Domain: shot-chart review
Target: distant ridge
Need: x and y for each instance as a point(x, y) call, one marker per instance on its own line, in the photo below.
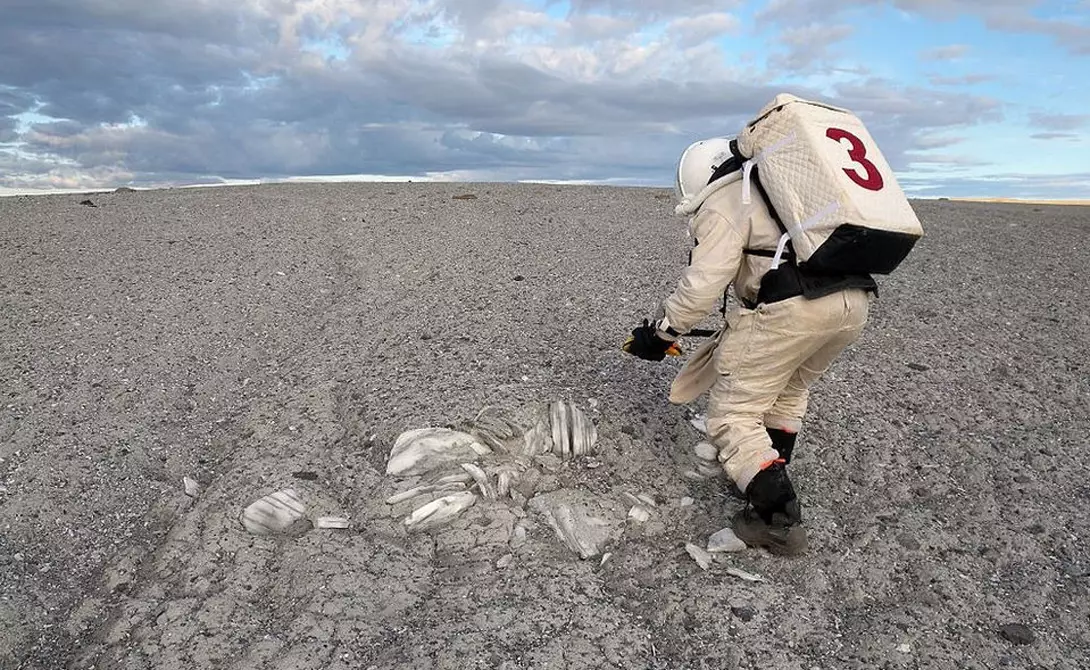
point(1019, 201)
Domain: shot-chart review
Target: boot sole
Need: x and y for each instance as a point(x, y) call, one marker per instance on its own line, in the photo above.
point(782, 540)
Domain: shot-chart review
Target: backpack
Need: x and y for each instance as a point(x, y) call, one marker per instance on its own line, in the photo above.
point(828, 185)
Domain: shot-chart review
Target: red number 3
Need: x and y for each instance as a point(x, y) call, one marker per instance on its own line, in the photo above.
point(872, 181)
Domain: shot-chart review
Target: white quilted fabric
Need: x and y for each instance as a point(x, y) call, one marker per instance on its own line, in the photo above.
point(808, 179)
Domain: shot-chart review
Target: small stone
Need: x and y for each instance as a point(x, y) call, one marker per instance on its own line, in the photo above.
point(687, 502)
point(191, 487)
point(639, 514)
point(908, 542)
point(904, 648)
point(702, 558)
point(331, 522)
point(919, 367)
point(629, 430)
point(725, 541)
point(519, 278)
point(700, 423)
point(1023, 479)
point(744, 613)
point(306, 475)
point(1017, 633)
point(505, 561)
point(707, 451)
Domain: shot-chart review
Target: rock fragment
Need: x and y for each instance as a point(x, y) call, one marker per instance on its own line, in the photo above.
point(425, 449)
point(1017, 633)
point(191, 487)
point(582, 521)
point(725, 541)
point(280, 512)
point(440, 511)
point(702, 558)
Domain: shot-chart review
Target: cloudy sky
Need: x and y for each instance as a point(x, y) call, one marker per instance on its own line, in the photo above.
point(965, 97)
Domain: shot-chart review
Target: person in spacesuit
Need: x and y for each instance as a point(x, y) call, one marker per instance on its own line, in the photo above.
point(787, 329)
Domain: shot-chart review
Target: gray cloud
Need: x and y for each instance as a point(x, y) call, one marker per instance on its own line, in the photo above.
point(950, 52)
point(150, 92)
point(652, 7)
point(1055, 136)
point(999, 15)
point(808, 47)
point(1061, 122)
point(960, 80)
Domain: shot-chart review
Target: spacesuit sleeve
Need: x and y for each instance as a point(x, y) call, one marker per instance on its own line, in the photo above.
point(713, 265)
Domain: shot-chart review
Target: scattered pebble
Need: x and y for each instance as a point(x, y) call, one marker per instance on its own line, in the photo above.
point(919, 367)
point(331, 522)
point(743, 575)
point(904, 648)
point(191, 487)
point(908, 541)
point(702, 558)
point(505, 561)
point(706, 451)
point(725, 541)
point(687, 502)
point(744, 613)
point(280, 512)
point(306, 475)
point(1017, 633)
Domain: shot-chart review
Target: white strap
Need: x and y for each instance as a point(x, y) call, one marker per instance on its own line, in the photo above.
point(814, 220)
point(779, 251)
point(748, 166)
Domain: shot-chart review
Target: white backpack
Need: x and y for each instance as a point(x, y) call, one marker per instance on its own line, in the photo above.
point(829, 186)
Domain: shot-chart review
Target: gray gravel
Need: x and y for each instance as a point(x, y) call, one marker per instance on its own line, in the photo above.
point(255, 338)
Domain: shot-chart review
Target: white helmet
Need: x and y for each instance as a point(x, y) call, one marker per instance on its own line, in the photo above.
point(698, 163)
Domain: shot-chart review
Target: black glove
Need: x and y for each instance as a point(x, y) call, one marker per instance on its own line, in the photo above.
point(646, 344)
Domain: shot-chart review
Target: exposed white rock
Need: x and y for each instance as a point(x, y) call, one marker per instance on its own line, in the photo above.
point(481, 479)
point(280, 512)
point(332, 522)
point(584, 522)
point(191, 487)
point(426, 488)
point(700, 422)
point(425, 449)
point(440, 511)
point(725, 541)
point(706, 451)
point(742, 574)
point(702, 558)
point(573, 433)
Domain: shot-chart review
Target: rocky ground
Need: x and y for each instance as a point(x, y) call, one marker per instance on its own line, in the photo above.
point(256, 338)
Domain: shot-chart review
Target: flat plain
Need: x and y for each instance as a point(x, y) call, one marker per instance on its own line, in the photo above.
point(257, 338)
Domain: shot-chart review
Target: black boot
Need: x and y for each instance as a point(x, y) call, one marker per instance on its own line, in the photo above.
point(783, 442)
point(772, 517)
